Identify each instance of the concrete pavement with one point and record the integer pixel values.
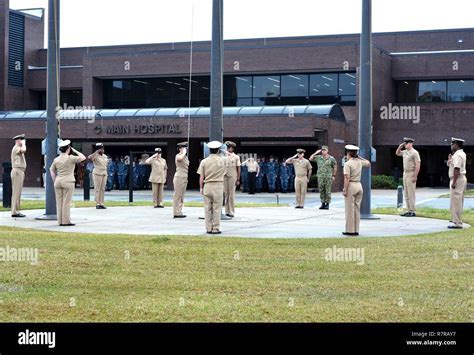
(261, 222)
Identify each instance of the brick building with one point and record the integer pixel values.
(279, 93)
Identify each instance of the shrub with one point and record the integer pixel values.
(384, 182)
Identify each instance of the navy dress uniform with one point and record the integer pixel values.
(303, 171)
(99, 174)
(212, 170)
(17, 174)
(457, 181)
(231, 178)
(180, 180)
(157, 178)
(353, 191)
(62, 173)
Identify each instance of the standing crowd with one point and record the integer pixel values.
(222, 172)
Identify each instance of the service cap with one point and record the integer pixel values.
(351, 147)
(214, 144)
(64, 143)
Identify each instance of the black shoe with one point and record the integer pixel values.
(347, 233)
(455, 227)
(159, 206)
(180, 216)
(209, 232)
(216, 232)
(67, 225)
(18, 215)
(406, 214)
(322, 207)
(299, 207)
(411, 214)
(229, 215)
(100, 207)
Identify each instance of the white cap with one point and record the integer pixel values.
(158, 150)
(457, 140)
(99, 145)
(64, 143)
(351, 147)
(214, 144)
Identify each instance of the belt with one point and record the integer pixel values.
(354, 181)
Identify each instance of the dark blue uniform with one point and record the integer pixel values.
(271, 172)
(260, 177)
(284, 177)
(243, 178)
(111, 172)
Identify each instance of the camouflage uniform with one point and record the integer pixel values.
(324, 174)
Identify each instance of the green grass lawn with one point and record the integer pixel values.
(84, 278)
(40, 204)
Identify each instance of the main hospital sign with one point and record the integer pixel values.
(117, 129)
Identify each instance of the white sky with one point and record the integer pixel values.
(111, 22)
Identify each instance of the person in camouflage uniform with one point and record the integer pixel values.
(327, 169)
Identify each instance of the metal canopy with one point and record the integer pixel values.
(333, 112)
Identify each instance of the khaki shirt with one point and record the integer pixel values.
(410, 159)
(64, 166)
(100, 164)
(232, 162)
(158, 170)
(458, 160)
(18, 159)
(302, 167)
(252, 166)
(212, 168)
(353, 168)
(181, 167)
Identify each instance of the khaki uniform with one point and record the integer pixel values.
(180, 182)
(353, 198)
(302, 168)
(213, 169)
(458, 160)
(410, 159)
(64, 166)
(99, 175)
(18, 177)
(157, 179)
(230, 180)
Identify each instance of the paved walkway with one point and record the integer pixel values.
(261, 222)
(426, 197)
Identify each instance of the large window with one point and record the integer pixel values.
(156, 92)
(432, 91)
(68, 98)
(435, 91)
(461, 90)
(239, 90)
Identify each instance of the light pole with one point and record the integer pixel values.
(217, 57)
(52, 93)
(365, 104)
